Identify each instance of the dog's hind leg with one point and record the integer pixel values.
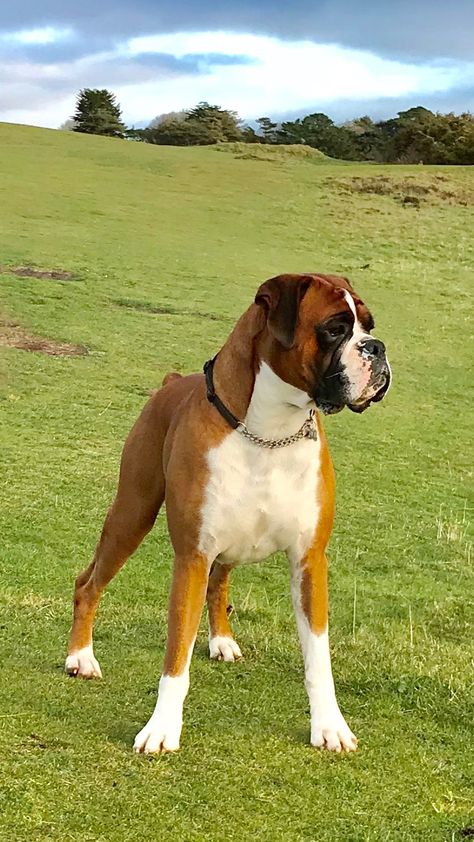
(222, 645)
(139, 497)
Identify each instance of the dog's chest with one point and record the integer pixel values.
(259, 500)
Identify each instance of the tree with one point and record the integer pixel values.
(435, 138)
(291, 132)
(222, 124)
(179, 133)
(413, 136)
(464, 144)
(202, 125)
(319, 131)
(417, 114)
(97, 112)
(249, 135)
(360, 125)
(134, 134)
(168, 117)
(268, 130)
(67, 126)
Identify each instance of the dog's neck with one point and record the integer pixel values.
(276, 408)
(237, 363)
(270, 407)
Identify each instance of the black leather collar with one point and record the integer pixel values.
(307, 431)
(215, 399)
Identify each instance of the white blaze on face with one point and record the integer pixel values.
(358, 329)
(358, 369)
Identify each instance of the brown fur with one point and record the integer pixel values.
(164, 458)
(314, 566)
(188, 593)
(217, 599)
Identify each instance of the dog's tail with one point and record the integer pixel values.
(172, 375)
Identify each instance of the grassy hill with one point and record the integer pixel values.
(160, 250)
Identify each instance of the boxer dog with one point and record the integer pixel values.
(240, 458)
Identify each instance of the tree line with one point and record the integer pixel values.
(417, 135)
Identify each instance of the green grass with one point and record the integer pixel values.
(167, 247)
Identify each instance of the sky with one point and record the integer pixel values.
(277, 58)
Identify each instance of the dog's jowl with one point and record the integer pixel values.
(240, 458)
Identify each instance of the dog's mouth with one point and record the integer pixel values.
(328, 408)
(381, 386)
(333, 393)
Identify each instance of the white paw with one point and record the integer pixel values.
(82, 663)
(159, 734)
(224, 649)
(333, 733)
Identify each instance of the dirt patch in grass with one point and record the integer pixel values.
(166, 310)
(410, 190)
(45, 274)
(12, 335)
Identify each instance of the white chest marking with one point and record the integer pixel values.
(258, 500)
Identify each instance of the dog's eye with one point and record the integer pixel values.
(336, 330)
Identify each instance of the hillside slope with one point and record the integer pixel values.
(153, 253)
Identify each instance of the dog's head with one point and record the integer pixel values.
(317, 336)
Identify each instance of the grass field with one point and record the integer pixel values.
(166, 248)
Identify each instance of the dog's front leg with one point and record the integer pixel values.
(163, 730)
(310, 599)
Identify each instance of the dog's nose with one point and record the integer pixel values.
(371, 348)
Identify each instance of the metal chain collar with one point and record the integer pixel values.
(307, 431)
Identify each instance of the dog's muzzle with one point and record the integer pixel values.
(372, 353)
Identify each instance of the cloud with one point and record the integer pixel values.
(281, 74)
(41, 35)
(250, 73)
(382, 108)
(45, 86)
(408, 29)
(44, 94)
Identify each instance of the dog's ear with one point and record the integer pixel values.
(281, 298)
